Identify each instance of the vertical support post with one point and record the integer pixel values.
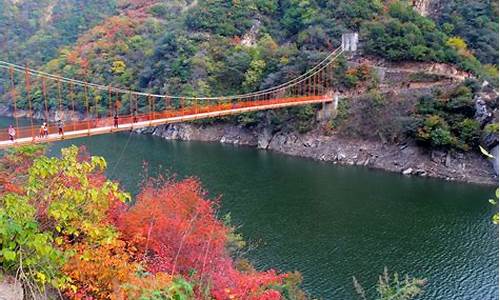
(28, 95)
(153, 106)
(44, 93)
(110, 103)
(96, 101)
(72, 96)
(59, 94)
(86, 99)
(166, 103)
(14, 97)
(131, 104)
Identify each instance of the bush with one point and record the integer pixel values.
(447, 121)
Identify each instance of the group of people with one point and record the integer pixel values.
(43, 132)
(44, 129)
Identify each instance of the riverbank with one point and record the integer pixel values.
(407, 159)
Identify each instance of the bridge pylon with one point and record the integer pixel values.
(350, 42)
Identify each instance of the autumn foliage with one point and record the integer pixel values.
(167, 242)
(176, 231)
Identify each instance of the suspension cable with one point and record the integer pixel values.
(14, 98)
(311, 72)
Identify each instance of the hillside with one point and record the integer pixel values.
(213, 48)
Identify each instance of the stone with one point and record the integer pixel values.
(11, 289)
(264, 139)
(341, 156)
(420, 172)
(448, 160)
(407, 171)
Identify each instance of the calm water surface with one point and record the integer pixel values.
(331, 222)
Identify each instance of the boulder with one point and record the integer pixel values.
(407, 171)
(11, 289)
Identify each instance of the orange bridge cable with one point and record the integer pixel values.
(316, 89)
(166, 104)
(329, 77)
(314, 85)
(320, 82)
(96, 110)
(131, 103)
(59, 97)
(44, 93)
(308, 84)
(149, 108)
(110, 102)
(14, 98)
(72, 98)
(28, 95)
(136, 104)
(86, 99)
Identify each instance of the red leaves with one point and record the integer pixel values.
(175, 223)
(176, 231)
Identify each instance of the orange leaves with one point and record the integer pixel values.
(99, 271)
(136, 287)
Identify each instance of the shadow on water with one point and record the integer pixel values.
(331, 222)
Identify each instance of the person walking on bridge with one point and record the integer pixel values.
(134, 119)
(45, 130)
(12, 132)
(115, 120)
(60, 127)
(41, 130)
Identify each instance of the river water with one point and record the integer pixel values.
(330, 222)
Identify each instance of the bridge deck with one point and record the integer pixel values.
(27, 135)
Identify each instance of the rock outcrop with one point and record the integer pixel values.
(407, 159)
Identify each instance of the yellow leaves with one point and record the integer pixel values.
(99, 161)
(459, 44)
(40, 277)
(118, 67)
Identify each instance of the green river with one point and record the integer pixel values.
(326, 221)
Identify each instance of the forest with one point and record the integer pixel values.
(183, 48)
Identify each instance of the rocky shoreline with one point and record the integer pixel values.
(407, 159)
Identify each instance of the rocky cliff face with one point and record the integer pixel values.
(426, 7)
(407, 159)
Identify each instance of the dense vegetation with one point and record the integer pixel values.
(208, 48)
(476, 22)
(213, 48)
(33, 31)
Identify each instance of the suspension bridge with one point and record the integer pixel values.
(124, 112)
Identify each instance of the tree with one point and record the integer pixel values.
(391, 287)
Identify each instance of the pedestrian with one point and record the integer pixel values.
(134, 120)
(12, 133)
(60, 127)
(41, 131)
(115, 120)
(45, 130)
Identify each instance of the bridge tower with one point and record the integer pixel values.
(350, 42)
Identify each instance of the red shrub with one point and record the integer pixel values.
(175, 231)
